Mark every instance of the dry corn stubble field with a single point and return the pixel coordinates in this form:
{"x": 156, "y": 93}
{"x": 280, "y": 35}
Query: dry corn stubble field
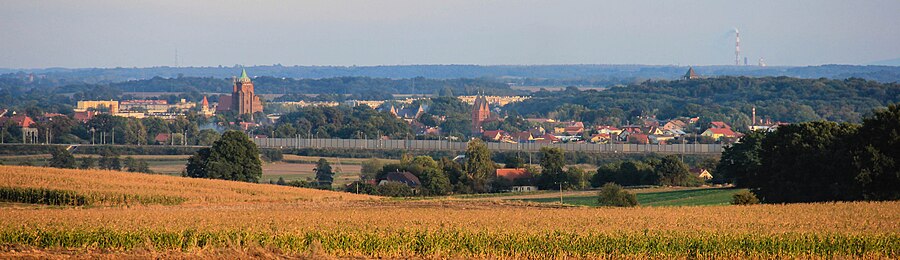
{"x": 239, "y": 218}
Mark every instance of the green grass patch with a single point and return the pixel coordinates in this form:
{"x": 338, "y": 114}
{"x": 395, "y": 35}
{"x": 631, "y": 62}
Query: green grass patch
{"x": 695, "y": 197}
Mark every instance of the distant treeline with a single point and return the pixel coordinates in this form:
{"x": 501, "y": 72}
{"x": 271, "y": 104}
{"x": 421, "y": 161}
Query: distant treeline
{"x": 729, "y": 99}
{"x": 272, "y": 85}
{"x": 341, "y": 85}
{"x": 594, "y": 74}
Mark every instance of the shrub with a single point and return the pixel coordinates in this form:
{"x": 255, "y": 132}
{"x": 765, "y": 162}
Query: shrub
{"x": 612, "y": 194}
{"x": 395, "y": 189}
{"x": 272, "y": 155}
{"x": 61, "y": 158}
{"x": 233, "y": 157}
{"x": 744, "y": 197}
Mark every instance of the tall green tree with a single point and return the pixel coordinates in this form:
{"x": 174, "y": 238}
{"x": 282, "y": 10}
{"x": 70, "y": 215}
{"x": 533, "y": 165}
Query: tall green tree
{"x": 324, "y": 174}
{"x": 877, "y": 155}
{"x": 435, "y": 182}
{"x": 479, "y": 167}
{"x": 370, "y": 169}
{"x": 233, "y": 157}
{"x": 61, "y": 158}
{"x": 673, "y": 172}
{"x": 553, "y": 161}
{"x": 740, "y": 162}
{"x": 807, "y": 162}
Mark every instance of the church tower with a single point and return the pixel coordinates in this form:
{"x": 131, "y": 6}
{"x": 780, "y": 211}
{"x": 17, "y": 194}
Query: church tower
{"x": 243, "y": 97}
{"x": 480, "y": 113}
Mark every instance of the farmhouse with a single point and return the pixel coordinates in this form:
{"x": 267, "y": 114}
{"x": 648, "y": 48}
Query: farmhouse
{"x": 513, "y": 173}
{"x": 702, "y": 173}
{"x": 402, "y": 177}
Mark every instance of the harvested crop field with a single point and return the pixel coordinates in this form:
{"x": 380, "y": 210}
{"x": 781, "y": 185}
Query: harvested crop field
{"x": 268, "y": 220}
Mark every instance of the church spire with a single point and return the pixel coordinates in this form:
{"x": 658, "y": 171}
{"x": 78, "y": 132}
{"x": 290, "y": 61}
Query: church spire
{"x": 244, "y": 74}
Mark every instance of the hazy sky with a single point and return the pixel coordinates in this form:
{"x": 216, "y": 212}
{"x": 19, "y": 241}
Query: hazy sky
{"x": 208, "y": 33}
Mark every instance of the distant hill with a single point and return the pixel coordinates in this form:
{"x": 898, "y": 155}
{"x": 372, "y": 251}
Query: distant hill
{"x": 590, "y": 74}
{"x": 891, "y": 62}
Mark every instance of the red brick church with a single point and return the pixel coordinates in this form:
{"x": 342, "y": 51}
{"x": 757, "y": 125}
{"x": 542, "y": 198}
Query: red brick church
{"x": 480, "y": 113}
{"x": 243, "y": 100}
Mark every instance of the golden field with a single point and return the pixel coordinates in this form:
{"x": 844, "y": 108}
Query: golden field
{"x": 242, "y": 218}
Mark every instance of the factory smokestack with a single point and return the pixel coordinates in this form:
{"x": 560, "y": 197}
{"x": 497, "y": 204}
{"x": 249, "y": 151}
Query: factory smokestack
{"x": 737, "y": 47}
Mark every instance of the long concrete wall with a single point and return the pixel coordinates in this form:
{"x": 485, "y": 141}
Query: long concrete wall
{"x": 441, "y": 145}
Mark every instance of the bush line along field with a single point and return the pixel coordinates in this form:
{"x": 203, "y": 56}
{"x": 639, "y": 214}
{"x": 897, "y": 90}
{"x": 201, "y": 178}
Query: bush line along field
{"x": 295, "y": 221}
{"x": 689, "y": 197}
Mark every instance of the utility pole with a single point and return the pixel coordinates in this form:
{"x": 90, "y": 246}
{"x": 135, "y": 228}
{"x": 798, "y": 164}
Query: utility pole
{"x": 560, "y": 194}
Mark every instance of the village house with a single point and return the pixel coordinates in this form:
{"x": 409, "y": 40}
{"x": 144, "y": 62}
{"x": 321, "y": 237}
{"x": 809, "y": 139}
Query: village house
{"x": 719, "y": 124}
{"x": 402, "y": 177}
{"x": 661, "y": 139}
{"x": 701, "y": 173}
{"x": 22, "y": 121}
{"x": 638, "y": 139}
{"x": 674, "y": 125}
{"x": 513, "y": 174}
{"x": 600, "y": 138}
{"x": 547, "y": 139}
{"x": 611, "y": 130}
{"x": 493, "y": 135}
{"x": 719, "y": 133}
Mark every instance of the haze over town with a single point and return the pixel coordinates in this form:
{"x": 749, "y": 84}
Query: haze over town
{"x": 209, "y": 33}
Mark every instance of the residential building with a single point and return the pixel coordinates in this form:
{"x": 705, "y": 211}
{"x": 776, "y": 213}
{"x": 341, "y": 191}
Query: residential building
{"x": 97, "y": 105}
{"x": 719, "y": 133}
{"x": 22, "y": 121}
{"x": 493, "y": 100}
{"x": 402, "y": 177}
{"x": 701, "y": 173}
{"x": 513, "y": 174}
{"x": 719, "y": 124}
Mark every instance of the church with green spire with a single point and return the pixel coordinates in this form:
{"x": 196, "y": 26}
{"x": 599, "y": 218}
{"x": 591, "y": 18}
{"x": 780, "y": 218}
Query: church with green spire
{"x": 243, "y": 99}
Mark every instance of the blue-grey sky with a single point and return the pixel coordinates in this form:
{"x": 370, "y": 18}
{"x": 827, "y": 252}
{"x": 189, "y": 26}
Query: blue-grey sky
{"x": 336, "y": 32}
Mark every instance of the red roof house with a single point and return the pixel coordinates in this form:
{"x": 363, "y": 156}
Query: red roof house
{"x": 513, "y": 173}
{"x": 719, "y": 124}
{"x": 20, "y": 120}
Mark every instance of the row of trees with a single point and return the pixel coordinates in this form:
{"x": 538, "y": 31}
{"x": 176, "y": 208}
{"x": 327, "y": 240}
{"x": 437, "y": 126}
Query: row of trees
{"x": 62, "y": 158}
{"x": 339, "y": 122}
{"x": 820, "y": 161}
{"x": 477, "y": 174}
{"x": 109, "y": 129}
{"x": 665, "y": 171}
{"x": 728, "y": 99}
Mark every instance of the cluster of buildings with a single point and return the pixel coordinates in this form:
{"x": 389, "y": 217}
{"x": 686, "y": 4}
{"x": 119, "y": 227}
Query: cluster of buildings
{"x": 243, "y": 100}
{"x": 85, "y": 110}
{"x": 649, "y": 131}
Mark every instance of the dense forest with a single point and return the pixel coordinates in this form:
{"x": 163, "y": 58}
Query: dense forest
{"x": 729, "y": 99}
{"x": 820, "y": 161}
{"x": 340, "y": 85}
